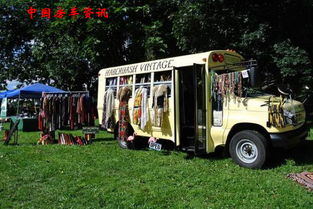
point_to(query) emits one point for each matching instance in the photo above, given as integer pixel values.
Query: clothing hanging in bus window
(123, 97)
(137, 106)
(126, 80)
(225, 86)
(140, 108)
(108, 119)
(111, 82)
(159, 104)
(144, 105)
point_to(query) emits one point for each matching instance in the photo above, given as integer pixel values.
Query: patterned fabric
(123, 96)
(123, 121)
(304, 178)
(137, 107)
(144, 107)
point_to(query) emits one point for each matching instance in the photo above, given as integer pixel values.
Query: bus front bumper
(289, 139)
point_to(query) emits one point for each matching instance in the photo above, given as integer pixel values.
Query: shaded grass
(102, 175)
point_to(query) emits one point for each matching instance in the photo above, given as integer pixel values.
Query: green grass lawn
(102, 175)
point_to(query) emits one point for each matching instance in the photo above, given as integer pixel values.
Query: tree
(69, 52)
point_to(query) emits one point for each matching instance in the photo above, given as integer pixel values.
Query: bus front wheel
(248, 149)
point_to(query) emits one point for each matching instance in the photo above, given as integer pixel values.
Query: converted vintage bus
(209, 106)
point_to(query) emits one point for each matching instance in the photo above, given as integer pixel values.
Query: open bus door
(190, 108)
(200, 108)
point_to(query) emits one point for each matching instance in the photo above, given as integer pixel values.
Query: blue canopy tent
(31, 91)
(4, 93)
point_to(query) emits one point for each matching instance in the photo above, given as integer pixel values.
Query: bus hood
(290, 107)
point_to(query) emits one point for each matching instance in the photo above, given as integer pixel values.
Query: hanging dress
(144, 108)
(123, 97)
(159, 104)
(137, 106)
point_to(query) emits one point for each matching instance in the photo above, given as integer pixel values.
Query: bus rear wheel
(248, 149)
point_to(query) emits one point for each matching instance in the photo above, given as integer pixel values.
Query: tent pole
(18, 105)
(17, 118)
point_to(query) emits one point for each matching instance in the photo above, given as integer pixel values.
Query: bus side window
(164, 78)
(126, 81)
(143, 80)
(111, 83)
(217, 110)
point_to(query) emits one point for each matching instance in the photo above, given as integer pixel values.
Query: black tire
(121, 143)
(249, 149)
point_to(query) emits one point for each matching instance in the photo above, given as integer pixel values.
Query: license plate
(155, 146)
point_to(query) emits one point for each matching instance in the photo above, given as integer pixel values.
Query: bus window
(143, 80)
(217, 110)
(164, 78)
(126, 81)
(111, 83)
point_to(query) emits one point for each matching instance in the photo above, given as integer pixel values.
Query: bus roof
(169, 63)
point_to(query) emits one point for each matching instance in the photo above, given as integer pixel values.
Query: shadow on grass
(302, 155)
(141, 144)
(217, 155)
(103, 139)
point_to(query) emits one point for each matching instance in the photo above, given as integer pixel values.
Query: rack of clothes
(66, 110)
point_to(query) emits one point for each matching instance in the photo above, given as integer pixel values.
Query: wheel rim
(246, 151)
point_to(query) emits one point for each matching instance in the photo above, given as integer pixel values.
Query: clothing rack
(69, 109)
(67, 92)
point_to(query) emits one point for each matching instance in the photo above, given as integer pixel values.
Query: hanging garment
(65, 112)
(78, 110)
(41, 120)
(109, 117)
(226, 85)
(88, 111)
(137, 106)
(123, 121)
(144, 108)
(159, 105)
(82, 106)
(123, 95)
(103, 122)
(108, 107)
(44, 114)
(71, 110)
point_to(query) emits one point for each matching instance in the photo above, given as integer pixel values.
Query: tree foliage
(69, 52)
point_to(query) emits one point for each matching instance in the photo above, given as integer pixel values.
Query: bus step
(188, 149)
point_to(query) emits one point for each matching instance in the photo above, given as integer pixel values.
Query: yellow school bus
(200, 102)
